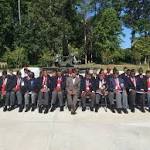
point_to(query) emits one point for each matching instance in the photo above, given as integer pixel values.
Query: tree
(16, 58)
(46, 58)
(106, 34)
(6, 25)
(136, 17)
(141, 50)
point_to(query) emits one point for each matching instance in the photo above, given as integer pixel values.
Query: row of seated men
(125, 91)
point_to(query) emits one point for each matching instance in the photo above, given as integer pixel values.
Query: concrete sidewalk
(84, 131)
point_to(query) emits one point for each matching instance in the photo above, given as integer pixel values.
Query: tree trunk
(19, 12)
(85, 43)
(65, 46)
(132, 37)
(145, 60)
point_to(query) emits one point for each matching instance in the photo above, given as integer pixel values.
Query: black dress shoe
(46, 110)
(73, 113)
(20, 109)
(96, 109)
(62, 108)
(40, 109)
(113, 110)
(125, 111)
(133, 110)
(91, 108)
(149, 109)
(33, 107)
(5, 109)
(143, 110)
(84, 109)
(27, 109)
(69, 108)
(119, 111)
(52, 109)
(11, 108)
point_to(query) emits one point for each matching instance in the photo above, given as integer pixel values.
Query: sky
(126, 39)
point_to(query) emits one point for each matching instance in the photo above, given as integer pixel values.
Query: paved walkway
(84, 131)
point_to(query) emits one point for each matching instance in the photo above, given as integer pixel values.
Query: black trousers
(140, 100)
(132, 99)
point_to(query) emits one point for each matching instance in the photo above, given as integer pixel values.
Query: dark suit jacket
(97, 83)
(130, 84)
(54, 83)
(125, 79)
(145, 84)
(140, 83)
(31, 85)
(1, 82)
(49, 83)
(83, 84)
(11, 83)
(112, 84)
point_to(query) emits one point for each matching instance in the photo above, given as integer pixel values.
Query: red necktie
(133, 81)
(148, 84)
(58, 83)
(87, 85)
(4, 87)
(117, 85)
(17, 88)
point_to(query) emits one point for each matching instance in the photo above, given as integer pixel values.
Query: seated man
(140, 90)
(30, 85)
(73, 89)
(44, 87)
(101, 89)
(116, 89)
(19, 90)
(7, 90)
(131, 89)
(88, 91)
(1, 96)
(148, 87)
(58, 87)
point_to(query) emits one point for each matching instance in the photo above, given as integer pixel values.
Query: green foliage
(141, 49)
(64, 27)
(16, 58)
(46, 58)
(136, 16)
(106, 34)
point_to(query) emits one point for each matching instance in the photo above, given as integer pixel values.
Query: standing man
(73, 90)
(45, 87)
(58, 87)
(88, 90)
